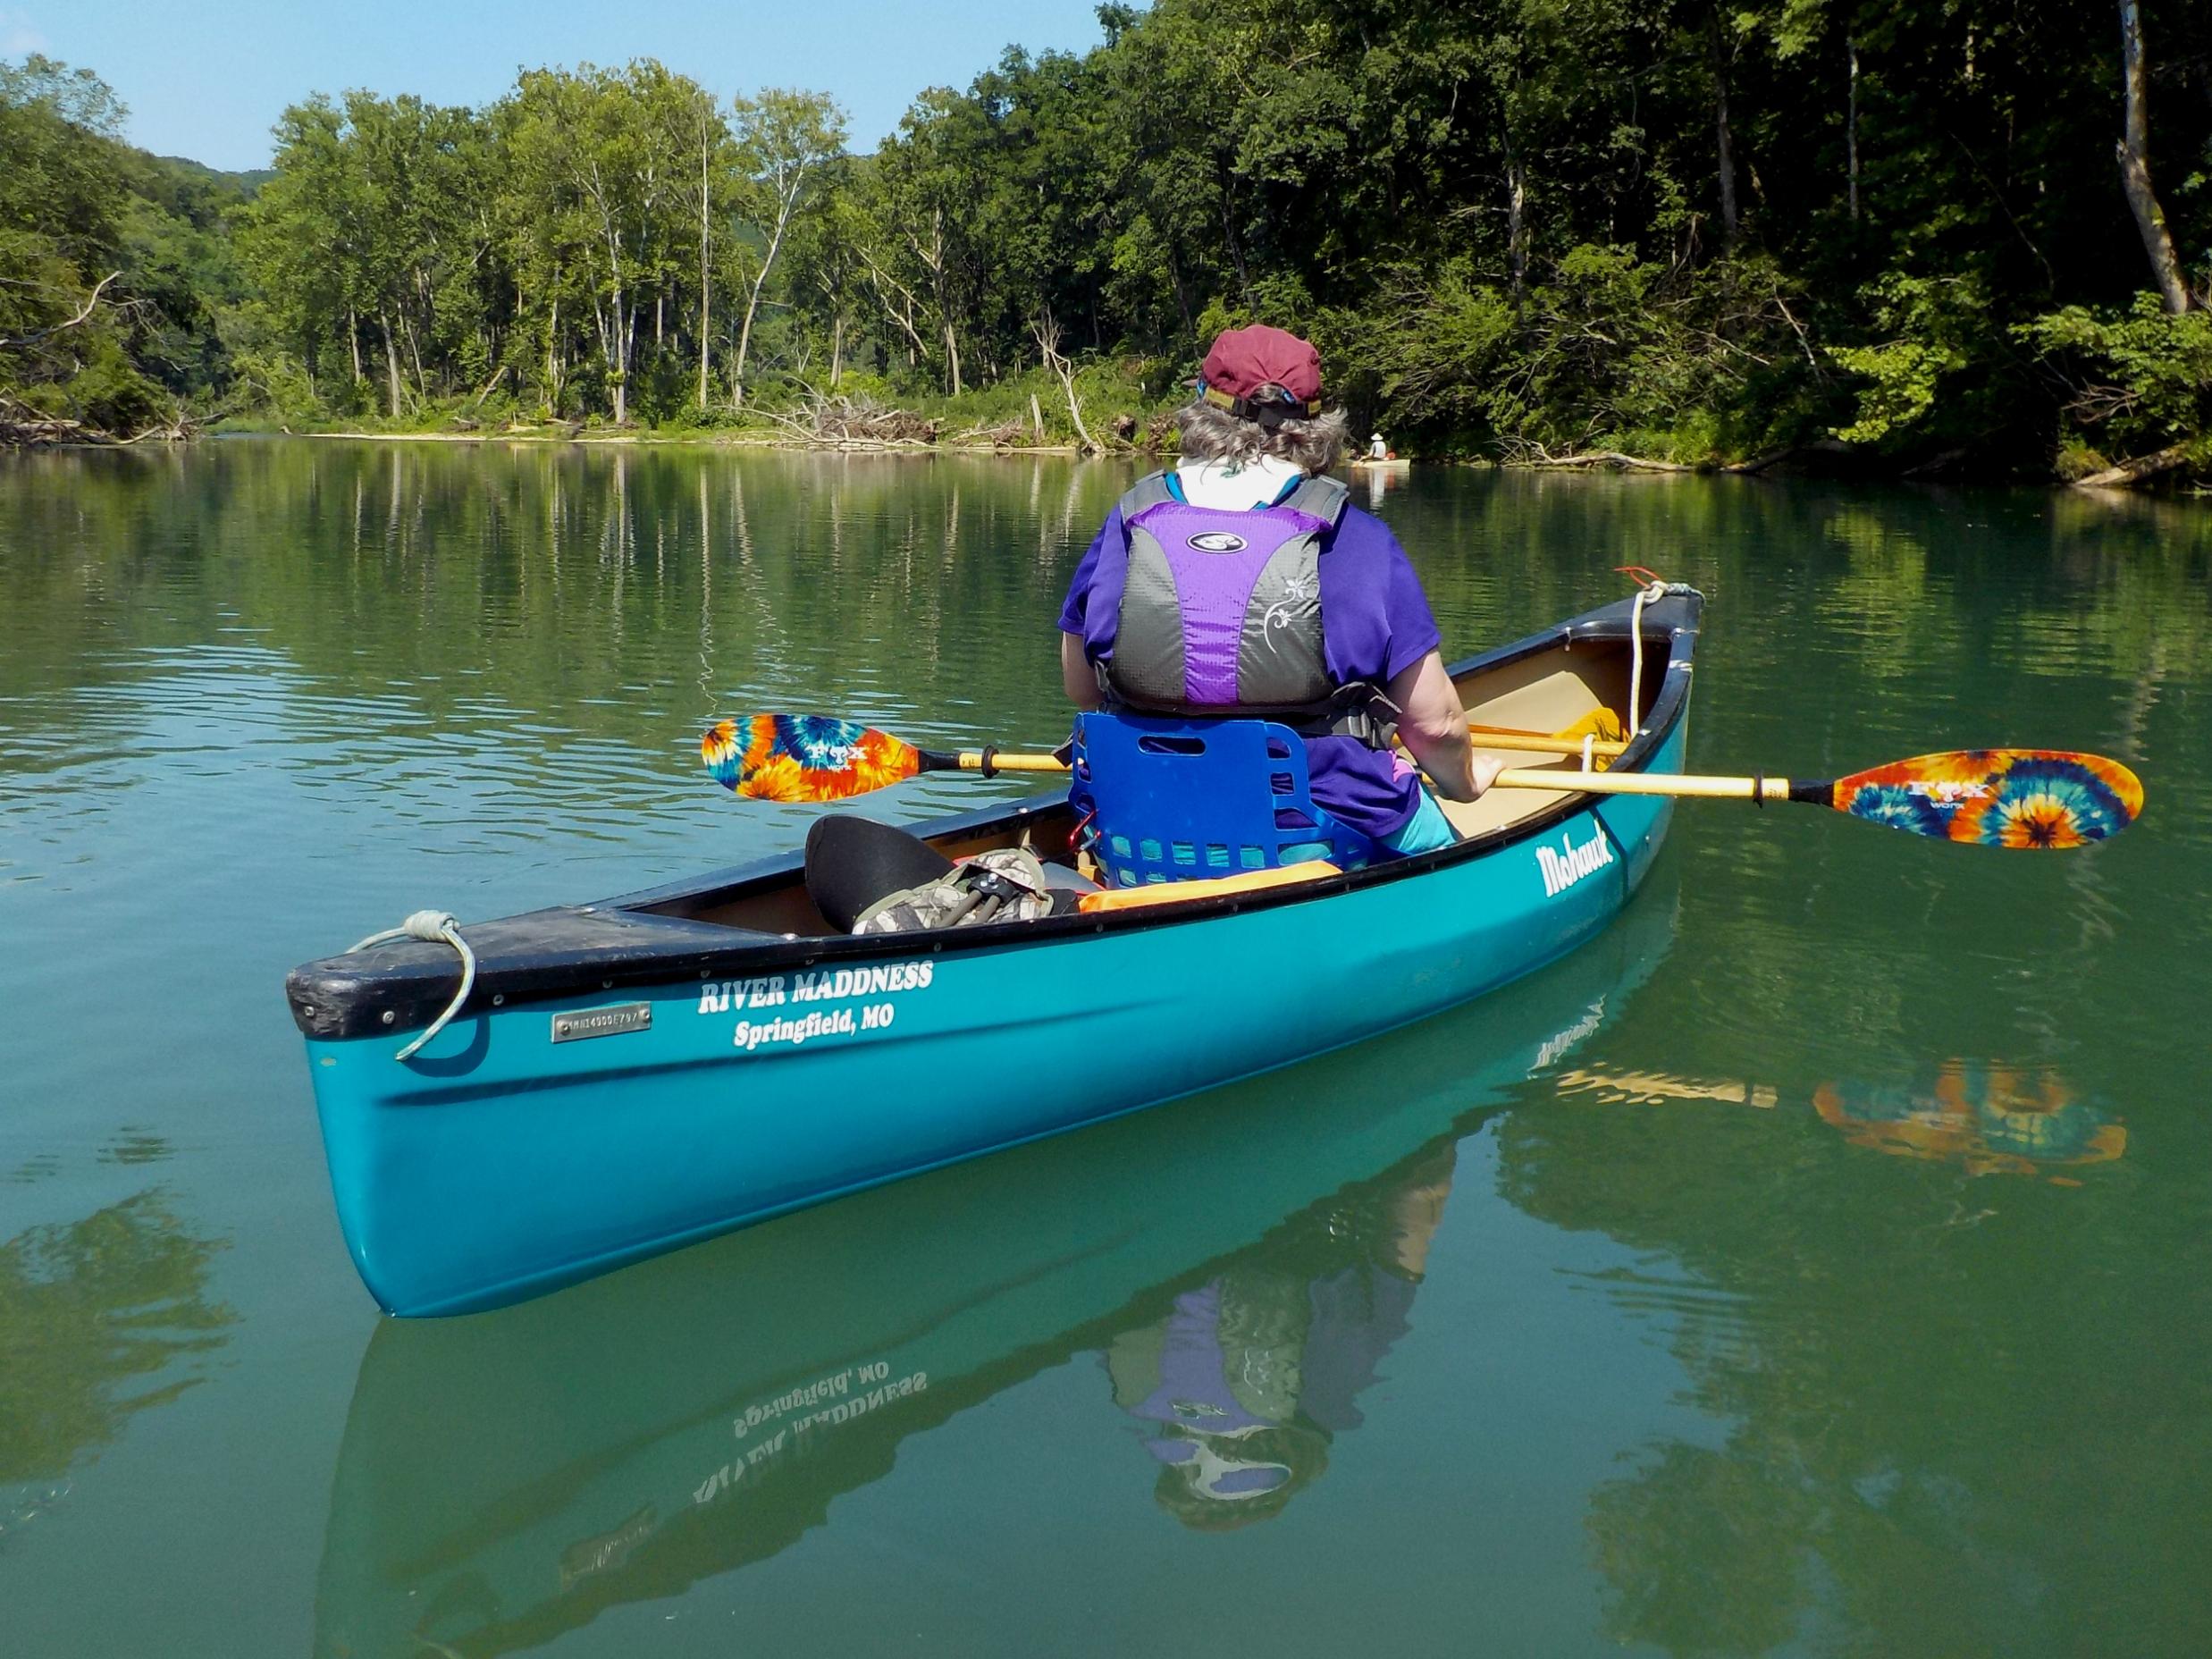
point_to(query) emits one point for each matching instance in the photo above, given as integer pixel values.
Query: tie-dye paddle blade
(1992, 797)
(806, 757)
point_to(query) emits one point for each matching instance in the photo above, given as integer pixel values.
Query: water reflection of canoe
(507, 1479)
(506, 1157)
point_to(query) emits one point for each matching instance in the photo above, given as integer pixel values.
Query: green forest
(1969, 238)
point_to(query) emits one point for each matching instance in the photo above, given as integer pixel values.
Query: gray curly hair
(1206, 432)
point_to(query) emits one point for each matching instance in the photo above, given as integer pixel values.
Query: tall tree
(599, 162)
(710, 135)
(2134, 155)
(784, 139)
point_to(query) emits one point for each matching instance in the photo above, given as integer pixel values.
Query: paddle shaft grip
(992, 760)
(1759, 790)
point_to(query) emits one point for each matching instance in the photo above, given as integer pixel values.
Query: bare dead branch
(92, 301)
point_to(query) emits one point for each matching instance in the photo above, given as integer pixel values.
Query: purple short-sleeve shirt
(1375, 623)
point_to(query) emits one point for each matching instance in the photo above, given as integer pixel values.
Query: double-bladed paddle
(1984, 798)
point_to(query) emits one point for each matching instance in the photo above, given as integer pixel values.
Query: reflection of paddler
(1250, 1375)
(1994, 1119)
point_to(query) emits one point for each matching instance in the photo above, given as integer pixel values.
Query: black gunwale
(343, 997)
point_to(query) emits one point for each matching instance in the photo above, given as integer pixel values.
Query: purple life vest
(1220, 610)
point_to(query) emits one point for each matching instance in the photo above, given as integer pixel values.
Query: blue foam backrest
(1178, 800)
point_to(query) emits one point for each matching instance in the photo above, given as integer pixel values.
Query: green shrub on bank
(2133, 381)
(1600, 350)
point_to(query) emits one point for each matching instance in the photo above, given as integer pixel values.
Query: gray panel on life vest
(1148, 662)
(1322, 496)
(1281, 662)
(1148, 491)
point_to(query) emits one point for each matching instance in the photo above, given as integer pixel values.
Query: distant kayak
(632, 1074)
(1393, 464)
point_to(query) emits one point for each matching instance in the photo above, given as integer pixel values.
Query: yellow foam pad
(1185, 892)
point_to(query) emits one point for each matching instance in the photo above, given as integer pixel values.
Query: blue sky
(207, 80)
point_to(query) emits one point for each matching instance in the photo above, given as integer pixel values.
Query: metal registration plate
(611, 1021)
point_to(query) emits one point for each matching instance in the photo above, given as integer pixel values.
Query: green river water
(1815, 1264)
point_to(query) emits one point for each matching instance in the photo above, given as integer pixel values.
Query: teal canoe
(631, 1075)
(507, 1480)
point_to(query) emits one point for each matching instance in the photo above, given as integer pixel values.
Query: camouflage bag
(1006, 884)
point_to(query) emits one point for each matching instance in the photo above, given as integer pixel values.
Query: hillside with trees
(1971, 240)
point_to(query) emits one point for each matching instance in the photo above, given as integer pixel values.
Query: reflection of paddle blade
(805, 757)
(1997, 797)
(1991, 1119)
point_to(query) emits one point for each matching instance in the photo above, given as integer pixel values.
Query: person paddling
(1243, 585)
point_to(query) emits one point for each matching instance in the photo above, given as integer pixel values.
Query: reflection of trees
(1945, 1428)
(86, 1309)
(472, 585)
(475, 583)
(1949, 1416)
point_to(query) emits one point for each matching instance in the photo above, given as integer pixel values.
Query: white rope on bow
(1657, 590)
(1659, 587)
(431, 927)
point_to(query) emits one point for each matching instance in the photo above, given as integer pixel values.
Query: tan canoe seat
(1557, 692)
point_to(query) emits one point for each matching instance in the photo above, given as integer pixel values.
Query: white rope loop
(1657, 587)
(431, 927)
(1656, 590)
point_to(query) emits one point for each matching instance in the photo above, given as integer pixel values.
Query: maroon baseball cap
(1246, 362)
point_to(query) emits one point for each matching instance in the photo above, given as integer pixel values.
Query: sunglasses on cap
(1268, 401)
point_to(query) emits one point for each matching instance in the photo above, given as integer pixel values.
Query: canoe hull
(507, 1479)
(499, 1163)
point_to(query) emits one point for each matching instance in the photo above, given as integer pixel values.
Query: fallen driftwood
(2133, 471)
(843, 422)
(23, 427)
(1531, 454)
(19, 429)
(1005, 435)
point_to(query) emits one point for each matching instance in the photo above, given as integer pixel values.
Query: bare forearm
(1433, 726)
(1077, 677)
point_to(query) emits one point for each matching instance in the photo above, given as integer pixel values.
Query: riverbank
(608, 438)
(2174, 473)
(872, 429)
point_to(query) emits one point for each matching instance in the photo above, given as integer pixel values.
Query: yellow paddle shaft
(1759, 790)
(1484, 738)
(1517, 778)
